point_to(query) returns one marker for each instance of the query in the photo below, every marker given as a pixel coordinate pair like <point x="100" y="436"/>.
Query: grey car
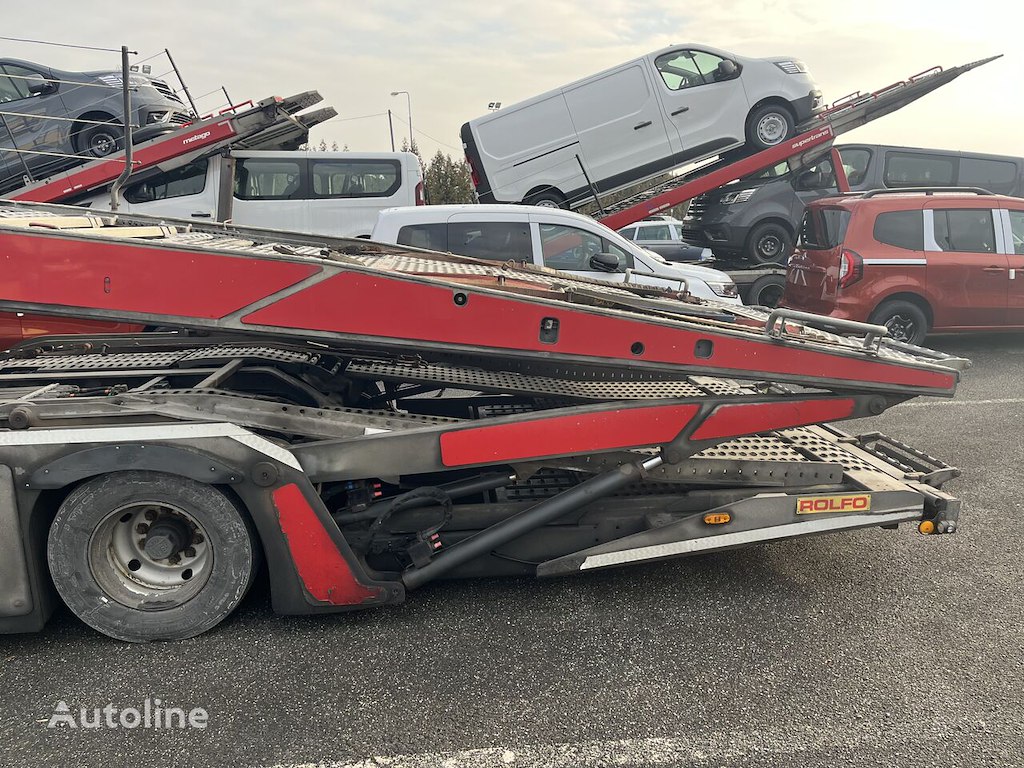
<point x="51" y="119"/>
<point x="663" y="235"/>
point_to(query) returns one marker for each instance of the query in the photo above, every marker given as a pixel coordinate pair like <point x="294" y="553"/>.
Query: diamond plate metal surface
<point x="496" y="381"/>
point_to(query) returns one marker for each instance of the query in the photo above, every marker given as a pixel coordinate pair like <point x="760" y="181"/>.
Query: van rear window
<point x="433" y="237"/>
<point x="823" y="228"/>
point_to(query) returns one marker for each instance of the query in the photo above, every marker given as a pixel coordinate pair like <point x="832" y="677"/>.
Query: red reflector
<point x="472" y="172"/>
<point x="419" y="194"/>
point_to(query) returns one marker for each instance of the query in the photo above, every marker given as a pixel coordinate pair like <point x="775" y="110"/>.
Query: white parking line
<point x="721" y="745"/>
<point x="933" y="403"/>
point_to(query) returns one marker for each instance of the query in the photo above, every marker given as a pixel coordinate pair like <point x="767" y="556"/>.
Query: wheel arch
<point x="82" y="123"/>
<point x="544" y="189"/>
<point x="914" y="298"/>
<point x="776" y="100"/>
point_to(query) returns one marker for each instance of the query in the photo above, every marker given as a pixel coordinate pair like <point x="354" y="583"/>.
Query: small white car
<point x="674" y="106"/>
<point x="547" y="237"/>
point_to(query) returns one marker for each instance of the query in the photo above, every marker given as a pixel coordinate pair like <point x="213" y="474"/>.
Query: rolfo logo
<point x="153" y="714"/>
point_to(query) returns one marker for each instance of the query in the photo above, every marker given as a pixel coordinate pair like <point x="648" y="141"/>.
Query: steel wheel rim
<point x="771" y="129"/>
<point x="547" y="204"/>
<point x="102" y="143"/>
<point x="769" y="246"/>
<point x="769" y="296"/>
<point x="129" y="575"/>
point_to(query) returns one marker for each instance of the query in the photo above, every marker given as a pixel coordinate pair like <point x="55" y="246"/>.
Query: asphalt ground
<point x="862" y="649"/>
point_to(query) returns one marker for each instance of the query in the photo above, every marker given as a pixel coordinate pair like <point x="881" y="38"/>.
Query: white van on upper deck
<point x="674" y="106"/>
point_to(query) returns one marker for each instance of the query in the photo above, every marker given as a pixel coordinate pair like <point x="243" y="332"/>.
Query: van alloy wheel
<point x="902" y="328"/>
<point x="906" y="321"/>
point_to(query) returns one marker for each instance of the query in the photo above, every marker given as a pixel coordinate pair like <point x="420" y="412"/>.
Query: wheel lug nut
<point x="150" y="515"/>
<point x="141" y="528"/>
<point x="198" y="538"/>
<point x="189" y="552"/>
<point x="173" y="559"/>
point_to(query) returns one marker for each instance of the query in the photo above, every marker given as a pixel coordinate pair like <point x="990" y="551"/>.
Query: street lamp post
<point x="408" y="101"/>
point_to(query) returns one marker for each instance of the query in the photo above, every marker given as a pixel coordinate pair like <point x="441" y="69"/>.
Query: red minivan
<point x="914" y="260"/>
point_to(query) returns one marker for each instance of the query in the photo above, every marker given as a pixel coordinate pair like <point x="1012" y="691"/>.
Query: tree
<point x="447" y="181"/>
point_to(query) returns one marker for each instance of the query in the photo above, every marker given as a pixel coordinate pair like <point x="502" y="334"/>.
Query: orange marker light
<point x="926" y="527"/>
<point x="717" y="518"/>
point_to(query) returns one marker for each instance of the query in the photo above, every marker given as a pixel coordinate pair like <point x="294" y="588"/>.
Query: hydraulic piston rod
<point x="517" y="525"/>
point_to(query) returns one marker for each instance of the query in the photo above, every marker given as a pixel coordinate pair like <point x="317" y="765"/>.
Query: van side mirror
<point x="604" y="262"/>
<point x="40" y="86"/>
<point x="726" y="69"/>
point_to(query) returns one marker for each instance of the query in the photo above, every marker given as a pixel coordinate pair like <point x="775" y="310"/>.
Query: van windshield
<point x="823" y="228"/>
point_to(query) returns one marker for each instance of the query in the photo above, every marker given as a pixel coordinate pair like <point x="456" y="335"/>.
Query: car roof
<point x="909" y="198"/>
<point x="433" y="213"/>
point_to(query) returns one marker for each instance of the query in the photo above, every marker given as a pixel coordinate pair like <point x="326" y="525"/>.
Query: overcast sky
<point x="455" y="56"/>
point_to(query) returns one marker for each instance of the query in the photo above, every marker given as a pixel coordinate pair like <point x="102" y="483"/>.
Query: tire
<point x="549" y="198"/>
<point x="905" y="320"/>
<point x="769" y="125"/>
<point x="141" y="594"/>
<point x="767" y="291"/>
<point x="769" y="243"/>
<point x="100" y="140"/>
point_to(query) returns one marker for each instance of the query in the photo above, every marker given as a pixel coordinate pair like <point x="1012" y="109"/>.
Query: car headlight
<point x="737" y="197"/>
<point x="792" y="67"/>
<point x="727" y="290"/>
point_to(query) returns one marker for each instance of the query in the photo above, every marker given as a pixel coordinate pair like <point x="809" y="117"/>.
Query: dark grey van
<point x="89" y="111"/>
<point x="757" y="218"/>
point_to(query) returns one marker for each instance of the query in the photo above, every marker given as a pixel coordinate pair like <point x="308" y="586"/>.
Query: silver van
<point x="674" y="106"/>
<point x="758" y="218"/>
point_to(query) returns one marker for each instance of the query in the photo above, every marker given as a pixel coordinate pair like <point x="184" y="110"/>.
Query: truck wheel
<point x="905" y="320"/>
<point x="550" y="198"/>
<point x="144" y="556"/>
<point x="767" y="291"/>
<point x="100" y="140"/>
<point x="769" y="125"/>
<point x="769" y="243"/>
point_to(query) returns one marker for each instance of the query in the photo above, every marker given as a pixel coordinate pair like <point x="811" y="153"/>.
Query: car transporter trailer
<point x="367" y="419"/>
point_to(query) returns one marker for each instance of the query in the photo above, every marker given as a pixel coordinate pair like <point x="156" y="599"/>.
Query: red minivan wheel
<point x="905" y="320"/>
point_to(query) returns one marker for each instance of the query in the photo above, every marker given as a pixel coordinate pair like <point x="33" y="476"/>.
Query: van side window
<point x="188" y="180"/>
<point x="571" y="248"/>
<point x="686" y="69"/>
<point x="14" y="88"/>
<point x="903" y="169"/>
<point x="855" y="163"/>
<point x="355" y="178"/>
<point x="1017" y="231"/>
<point x="994" y="175"/>
<point x="492" y="240"/>
<point x="433" y="237"/>
<point x="903" y="229"/>
<point x="965" y="231"/>
<point x="258" y="179"/>
<point x="629" y="233"/>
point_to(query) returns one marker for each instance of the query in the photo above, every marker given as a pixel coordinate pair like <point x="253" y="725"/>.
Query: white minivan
<point x="323" y="193"/>
<point x="547" y="237"/>
<point x="674" y="106"/>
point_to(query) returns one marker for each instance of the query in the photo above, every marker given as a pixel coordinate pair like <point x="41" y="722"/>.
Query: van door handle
<point x="201" y="215"/>
<point x="638" y="126"/>
<point x="994" y="269"/>
<point x="680" y="111"/>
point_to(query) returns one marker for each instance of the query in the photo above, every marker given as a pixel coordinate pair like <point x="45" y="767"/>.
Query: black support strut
<point x="508" y="530"/>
